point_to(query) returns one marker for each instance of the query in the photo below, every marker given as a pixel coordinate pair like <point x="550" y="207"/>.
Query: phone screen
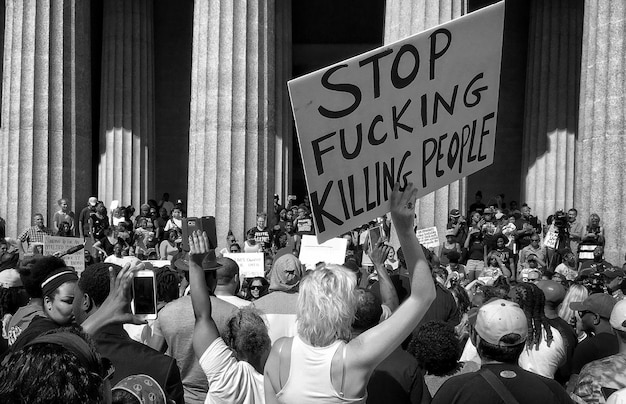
<point x="144" y="295"/>
<point x="374" y="234"/>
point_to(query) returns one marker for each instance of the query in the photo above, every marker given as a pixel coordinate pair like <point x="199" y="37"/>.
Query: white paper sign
<point x="551" y="238"/>
<point x="250" y="264"/>
<point x="332" y="251"/>
<point x="428" y="237"/>
<point x="420" y="110"/>
<point x="52" y="244"/>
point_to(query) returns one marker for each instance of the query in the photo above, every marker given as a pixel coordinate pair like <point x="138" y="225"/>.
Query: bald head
<point x="228" y="272"/>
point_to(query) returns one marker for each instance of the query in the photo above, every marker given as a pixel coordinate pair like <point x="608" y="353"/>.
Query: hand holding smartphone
<point x="144" y="303"/>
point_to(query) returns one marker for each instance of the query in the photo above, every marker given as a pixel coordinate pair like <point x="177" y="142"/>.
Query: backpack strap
<point x="498" y="386"/>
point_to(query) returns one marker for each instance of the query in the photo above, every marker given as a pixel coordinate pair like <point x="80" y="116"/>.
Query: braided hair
<point x="532" y="301"/>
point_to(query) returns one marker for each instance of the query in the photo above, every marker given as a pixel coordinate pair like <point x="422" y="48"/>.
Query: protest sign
<point x="420" y="110"/>
<point x="552" y="236"/>
<point x="53" y="244"/>
<point x="332" y="251"/>
<point x="428" y="237"/>
<point x="250" y="264"/>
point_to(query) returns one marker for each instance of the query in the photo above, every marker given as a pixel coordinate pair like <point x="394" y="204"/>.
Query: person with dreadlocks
<point x="545" y="348"/>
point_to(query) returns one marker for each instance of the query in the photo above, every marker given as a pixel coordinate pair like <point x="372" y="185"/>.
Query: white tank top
<point x="309" y="375"/>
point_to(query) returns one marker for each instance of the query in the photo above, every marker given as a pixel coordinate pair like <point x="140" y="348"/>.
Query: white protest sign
<point x="332" y="251"/>
<point x="428" y="237"/>
<point x="250" y="264"/>
<point x="52" y="244"/>
<point x="551" y="237"/>
<point x="420" y="110"/>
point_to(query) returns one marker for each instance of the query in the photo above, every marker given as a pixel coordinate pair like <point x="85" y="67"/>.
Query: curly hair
<point x="34" y="272"/>
<point x="167" y="284"/>
<point x="245" y="333"/>
<point x="327" y="305"/>
<point x="436" y="348"/>
<point x="50" y="373"/>
<point x="95" y="281"/>
<point x="532" y="300"/>
<point x="10" y="300"/>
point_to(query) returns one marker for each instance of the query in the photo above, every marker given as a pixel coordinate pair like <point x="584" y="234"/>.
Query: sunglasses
<point x="582" y="313"/>
<point x="256" y="287"/>
<point x="534" y="239"/>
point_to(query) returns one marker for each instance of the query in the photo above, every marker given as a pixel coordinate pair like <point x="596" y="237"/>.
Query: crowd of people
<point x="508" y="309"/>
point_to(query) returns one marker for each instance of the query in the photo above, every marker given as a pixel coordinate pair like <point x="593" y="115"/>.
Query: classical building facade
<point x="127" y="99"/>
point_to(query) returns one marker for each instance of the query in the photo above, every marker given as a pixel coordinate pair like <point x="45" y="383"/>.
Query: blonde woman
<point x="576" y="293"/>
<point x="327" y="365"/>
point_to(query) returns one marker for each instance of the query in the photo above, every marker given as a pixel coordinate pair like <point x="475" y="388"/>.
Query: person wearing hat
<point x="499" y="334"/>
<point x="457" y="223"/>
<point x="594" y="313"/>
<point x="448" y="246"/>
<point x="614" y="281"/>
<point x="600" y="378"/>
<point x="554" y="294"/>
<point x="83" y="217"/>
<point x="173" y="329"/>
<point x="489" y="228"/>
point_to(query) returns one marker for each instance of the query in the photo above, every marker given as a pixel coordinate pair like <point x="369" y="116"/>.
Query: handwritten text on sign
<point x="420" y="110"/>
<point x="52" y="244"/>
<point x="250" y="264"/>
<point x="428" y="237"/>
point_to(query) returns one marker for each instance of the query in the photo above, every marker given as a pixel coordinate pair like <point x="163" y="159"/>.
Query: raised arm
<point x="371" y="347"/>
<point x="205" y="330"/>
<point x="387" y="290"/>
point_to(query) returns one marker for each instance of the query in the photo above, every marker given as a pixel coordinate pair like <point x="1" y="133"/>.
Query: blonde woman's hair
<point x="576" y="293"/>
<point x="326" y="305"/>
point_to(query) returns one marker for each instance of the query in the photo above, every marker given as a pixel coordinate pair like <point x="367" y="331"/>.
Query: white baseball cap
<point x="499" y="318"/>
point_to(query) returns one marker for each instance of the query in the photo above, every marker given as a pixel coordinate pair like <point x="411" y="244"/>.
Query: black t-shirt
<point x="525" y="386"/>
<point x="263" y="236"/>
<point x="594" y="348"/>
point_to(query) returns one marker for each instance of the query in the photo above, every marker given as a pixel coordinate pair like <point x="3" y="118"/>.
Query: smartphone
<point x="205" y="223"/>
<point x="375" y="234"/>
<point x="144" y="303"/>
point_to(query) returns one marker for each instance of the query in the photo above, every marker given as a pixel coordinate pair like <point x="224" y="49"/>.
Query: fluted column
<point x="601" y="145"/>
<point x="235" y="152"/>
<point x="45" y="132"/>
<point x="404" y="18"/>
<point x="551" y="111"/>
<point x="284" y="117"/>
<point x="126" y="167"/>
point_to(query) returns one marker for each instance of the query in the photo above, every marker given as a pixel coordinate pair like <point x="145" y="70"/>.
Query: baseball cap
<point x="455" y="213"/>
<point x="499" y="318"/>
<point x="488" y="210"/>
<point x="618" y="316"/>
<point x="614" y="272"/>
<point x="93" y="200"/>
<point x="598" y="303"/>
<point x="499" y="215"/>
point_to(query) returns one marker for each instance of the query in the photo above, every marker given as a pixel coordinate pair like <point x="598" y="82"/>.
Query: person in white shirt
<point x="234" y="371"/>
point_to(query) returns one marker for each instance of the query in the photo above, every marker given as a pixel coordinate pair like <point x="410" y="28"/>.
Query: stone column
<point x="601" y="144"/>
<point x="284" y="117"/>
<point x="126" y="167"/>
<point x="235" y="152"/>
<point x="551" y="111"/>
<point x="45" y="132"/>
<point x="404" y="18"/>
